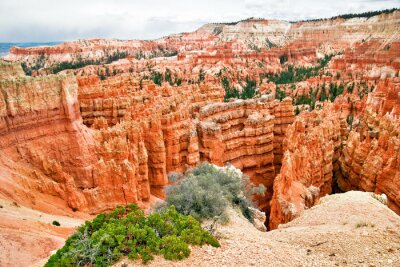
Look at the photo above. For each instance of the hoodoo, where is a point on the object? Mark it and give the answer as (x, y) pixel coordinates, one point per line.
(302, 109)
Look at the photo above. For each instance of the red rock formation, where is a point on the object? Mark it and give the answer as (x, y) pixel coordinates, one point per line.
(91, 138)
(245, 41)
(46, 149)
(138, 133)
(247, 134)
(310, 147)
(361, 156)
(370, 159)
(41, 128)
(105, 134)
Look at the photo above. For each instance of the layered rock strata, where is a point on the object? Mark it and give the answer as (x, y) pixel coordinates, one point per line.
(95, 144)
(311, 149)
(247, 135)
(324, 152)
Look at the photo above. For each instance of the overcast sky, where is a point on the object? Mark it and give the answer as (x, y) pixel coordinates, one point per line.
(54, 20)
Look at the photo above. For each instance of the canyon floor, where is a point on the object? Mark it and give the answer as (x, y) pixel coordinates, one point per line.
(350, 229)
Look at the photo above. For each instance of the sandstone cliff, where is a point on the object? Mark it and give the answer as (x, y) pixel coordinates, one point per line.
(310, 146)
(324, 152)
(95, 144)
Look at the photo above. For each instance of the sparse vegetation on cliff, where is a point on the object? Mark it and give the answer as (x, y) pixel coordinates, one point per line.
(280, 94)
(38, 64)
(297, 74)
(128, 232)
(356, 15)
(158, 77)
(206, 191)
(160, 52)
(80, 63)
(249, 89)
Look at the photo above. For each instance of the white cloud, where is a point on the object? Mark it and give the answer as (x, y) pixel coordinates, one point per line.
(49, 20)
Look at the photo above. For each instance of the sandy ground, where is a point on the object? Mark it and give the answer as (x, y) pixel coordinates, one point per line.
(28, 236)
(351, 229)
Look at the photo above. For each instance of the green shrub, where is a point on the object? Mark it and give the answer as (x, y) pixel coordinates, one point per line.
(297, 74)
(128, 232)
(206, 191)
(56, 223)
(249, 89)
(280, 94)
(202, 75)
(174, 248)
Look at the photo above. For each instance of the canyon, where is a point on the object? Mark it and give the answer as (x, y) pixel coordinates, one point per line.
(91, 124)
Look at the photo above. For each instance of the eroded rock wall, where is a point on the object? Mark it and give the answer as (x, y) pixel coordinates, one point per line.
(370, 158)
(47, 152)
(95, 144)
(325, 150)
(247, 134)
(310, 151)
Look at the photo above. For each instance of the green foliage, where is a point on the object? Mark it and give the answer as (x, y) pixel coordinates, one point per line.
(156, 77)
(202, 75)
(297, 111)
(168, 76)
(335, 90)
(323, 97)
(303, 100)
(76, 64)
(362, 91)
(350, 88)
(366, 14)
(128, 232)
(102, 76)
(254, 47)
(270, 44)
(55, 223)
(249, 89)
(230, 92)
(174, 248)
(313, 100)
(283, 59)
(280, 94)
(170, 53)
(350, 117)
(206, 191)
(80, 63)
(36, 65)
(160, 52)
(359, 15)
(297, 74)
(217, 30)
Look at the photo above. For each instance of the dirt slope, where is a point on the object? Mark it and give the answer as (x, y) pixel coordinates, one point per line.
(350, 229)
(27, 236)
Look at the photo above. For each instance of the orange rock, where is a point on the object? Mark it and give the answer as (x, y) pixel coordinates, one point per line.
(137, 135)
(307, 165)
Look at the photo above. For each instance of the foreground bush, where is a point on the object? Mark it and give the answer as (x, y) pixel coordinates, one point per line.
(128, 232)
(206, 191)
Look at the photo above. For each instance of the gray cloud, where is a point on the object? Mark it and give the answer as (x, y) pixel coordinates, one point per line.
(49, 20)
